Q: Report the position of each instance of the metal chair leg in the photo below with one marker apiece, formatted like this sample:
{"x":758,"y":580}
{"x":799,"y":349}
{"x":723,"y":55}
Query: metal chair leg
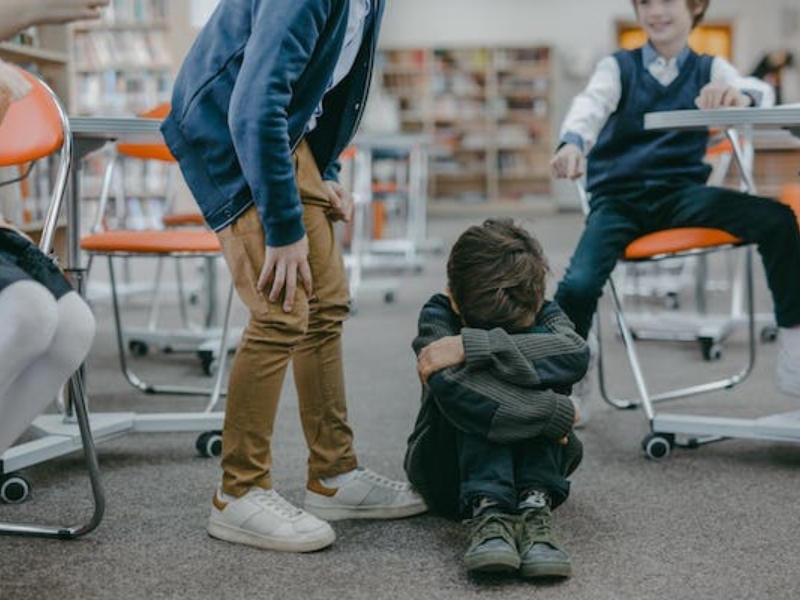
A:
{"x":67,"y":532}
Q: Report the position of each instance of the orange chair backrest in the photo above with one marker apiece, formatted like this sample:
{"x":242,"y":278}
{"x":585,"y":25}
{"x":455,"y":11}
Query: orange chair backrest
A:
{"x":149,"y":151}
{"x":32,"y":127}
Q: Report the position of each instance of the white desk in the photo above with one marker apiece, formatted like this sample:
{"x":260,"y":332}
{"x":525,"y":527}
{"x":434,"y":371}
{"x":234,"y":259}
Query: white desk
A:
{"x":782,"y":426}
{"x":779,"y":117}
{"x":59,"y":434}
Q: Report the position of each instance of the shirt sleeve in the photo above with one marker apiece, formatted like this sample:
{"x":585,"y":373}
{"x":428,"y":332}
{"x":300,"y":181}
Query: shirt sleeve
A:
{"x":591,"y":108}
{"x":760,"y":91}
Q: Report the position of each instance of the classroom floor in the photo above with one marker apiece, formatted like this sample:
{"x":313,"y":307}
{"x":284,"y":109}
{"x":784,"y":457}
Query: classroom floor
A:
{"x":720,"y":521}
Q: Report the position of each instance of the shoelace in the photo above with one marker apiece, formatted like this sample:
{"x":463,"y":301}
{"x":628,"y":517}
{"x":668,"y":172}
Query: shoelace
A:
{"x":381,"y":480}
{"x":273,"y":500}
{"x":536,"y":527}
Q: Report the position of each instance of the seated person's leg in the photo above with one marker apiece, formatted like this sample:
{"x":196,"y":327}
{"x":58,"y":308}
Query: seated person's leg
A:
{"x":610,"y":227}
{"x":488,"y":499}
{"x":608,"y":230}
{"x":773,"y":227}
{"x":30,"y":319}
{"x":541,"y":467}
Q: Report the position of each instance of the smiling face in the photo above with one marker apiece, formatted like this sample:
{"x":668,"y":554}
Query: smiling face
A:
{"x":668,"y":23}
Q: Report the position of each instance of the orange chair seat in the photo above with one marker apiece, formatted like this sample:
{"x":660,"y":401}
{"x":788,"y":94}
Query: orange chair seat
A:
{"x":677,"y":240}
{"x":180,"y":219}
{"x":155,"y":242}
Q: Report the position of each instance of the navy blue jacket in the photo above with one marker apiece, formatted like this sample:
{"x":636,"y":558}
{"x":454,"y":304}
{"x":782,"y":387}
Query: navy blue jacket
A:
{"x":244,"y":96}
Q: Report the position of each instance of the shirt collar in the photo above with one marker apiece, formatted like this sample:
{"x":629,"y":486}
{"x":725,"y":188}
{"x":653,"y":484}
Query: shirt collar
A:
{"x":649,"y":56}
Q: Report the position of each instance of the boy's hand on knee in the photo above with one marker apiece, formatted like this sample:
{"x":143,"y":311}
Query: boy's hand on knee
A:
{"x":718,"y":95}
{"x":444,"y":352}
{"x":283,"y":266}
{"x":567,"y":162}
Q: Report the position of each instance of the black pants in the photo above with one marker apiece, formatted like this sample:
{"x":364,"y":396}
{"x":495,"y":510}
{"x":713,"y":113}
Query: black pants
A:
{"x":505,"y":471}
{"x":617,"y":219}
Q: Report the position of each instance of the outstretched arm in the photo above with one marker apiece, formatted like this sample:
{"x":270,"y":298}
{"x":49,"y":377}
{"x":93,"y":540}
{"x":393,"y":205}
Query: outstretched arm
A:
{"x":16,"y":15}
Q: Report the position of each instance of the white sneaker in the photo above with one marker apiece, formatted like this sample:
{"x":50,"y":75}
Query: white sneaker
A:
{"x":365,"y":495}
{"x":788,"y":373}
{"x":262,"y":518}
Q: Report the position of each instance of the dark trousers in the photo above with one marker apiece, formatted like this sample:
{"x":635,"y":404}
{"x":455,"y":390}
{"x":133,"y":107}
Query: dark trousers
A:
{"x":504,"y":472}
{"x":615,"y":220}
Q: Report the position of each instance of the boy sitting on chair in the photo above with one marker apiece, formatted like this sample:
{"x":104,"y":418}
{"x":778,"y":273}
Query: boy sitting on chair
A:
{"x":642,"y":181}
{"x":493,"y":440}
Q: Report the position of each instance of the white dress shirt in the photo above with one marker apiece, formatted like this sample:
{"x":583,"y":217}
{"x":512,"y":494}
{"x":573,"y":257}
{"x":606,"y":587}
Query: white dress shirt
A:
{"x":359,"y":9}
{"x":591,"y":108}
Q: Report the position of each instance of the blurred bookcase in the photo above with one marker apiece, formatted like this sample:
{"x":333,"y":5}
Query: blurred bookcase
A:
{"x":488,"y":110}
{"x":122,"y":63}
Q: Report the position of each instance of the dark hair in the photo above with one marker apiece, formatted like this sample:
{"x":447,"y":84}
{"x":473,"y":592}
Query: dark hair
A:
{"x":496,"y":275}
{"x":694,"y":5}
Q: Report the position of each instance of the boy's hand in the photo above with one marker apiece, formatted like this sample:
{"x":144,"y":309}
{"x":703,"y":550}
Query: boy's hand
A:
{"x":565,"y":440}
{"x":718,"y":95}
{"x":444,"y":352}
{"x":63,"y":11}
{"x":341,"y":202}
{"x":567,"y":162}
{"x":283,"y":266}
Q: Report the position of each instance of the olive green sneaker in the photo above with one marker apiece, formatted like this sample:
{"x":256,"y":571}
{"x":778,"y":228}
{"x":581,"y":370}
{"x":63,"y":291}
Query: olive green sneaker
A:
{"x":540,"y":554}
{"x":492,"y":548}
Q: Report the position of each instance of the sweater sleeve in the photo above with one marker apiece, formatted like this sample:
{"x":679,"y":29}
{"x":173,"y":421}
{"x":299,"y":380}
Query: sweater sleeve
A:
{"x":550,"y":355}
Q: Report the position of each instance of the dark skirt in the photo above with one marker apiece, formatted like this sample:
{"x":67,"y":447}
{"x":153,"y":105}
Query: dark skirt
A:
{"x":21,"y":259}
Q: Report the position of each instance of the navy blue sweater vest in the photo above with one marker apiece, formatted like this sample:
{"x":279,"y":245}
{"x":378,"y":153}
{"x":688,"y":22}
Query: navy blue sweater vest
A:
{"x":628,"y":156}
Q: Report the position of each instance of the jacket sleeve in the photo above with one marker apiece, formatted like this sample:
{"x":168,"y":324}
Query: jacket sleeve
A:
{"x":276,"y":56}
{"x":436,"y":320}
{"x":550,"y":355}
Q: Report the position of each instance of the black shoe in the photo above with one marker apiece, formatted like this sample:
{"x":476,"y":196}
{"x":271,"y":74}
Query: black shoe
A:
{"x":540,"y":554}
{"x":492,"y":548}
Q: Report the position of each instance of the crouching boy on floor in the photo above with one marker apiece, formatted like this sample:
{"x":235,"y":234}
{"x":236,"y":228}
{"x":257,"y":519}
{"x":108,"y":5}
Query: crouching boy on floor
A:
{"x":493,"y":442}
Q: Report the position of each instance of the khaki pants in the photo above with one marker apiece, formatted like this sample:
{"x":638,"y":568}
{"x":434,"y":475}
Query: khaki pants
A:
{"x":309,"y":336}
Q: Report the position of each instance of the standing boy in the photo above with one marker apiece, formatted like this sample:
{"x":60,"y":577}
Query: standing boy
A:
{"x":268,"y":97}
{"x":493,"y":440}
{"x":641,"y":181}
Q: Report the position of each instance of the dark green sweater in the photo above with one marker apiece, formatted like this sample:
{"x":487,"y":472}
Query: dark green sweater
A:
{"x":510,"y":387}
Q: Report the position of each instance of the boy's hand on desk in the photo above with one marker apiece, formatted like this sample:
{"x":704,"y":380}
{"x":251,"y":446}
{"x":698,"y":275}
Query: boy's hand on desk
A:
{"x":567,"y":162}
{"x":718,"y":95}
{"x":440,"y":354}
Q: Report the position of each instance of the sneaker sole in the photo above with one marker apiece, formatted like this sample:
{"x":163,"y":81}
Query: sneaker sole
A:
{"x":235,"y":535}
{"x":341,"y":513}
{"x":492,"y":562}
{"x":533,"y":571}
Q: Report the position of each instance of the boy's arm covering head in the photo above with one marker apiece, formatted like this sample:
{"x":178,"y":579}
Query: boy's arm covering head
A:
{"x":477,"y":401}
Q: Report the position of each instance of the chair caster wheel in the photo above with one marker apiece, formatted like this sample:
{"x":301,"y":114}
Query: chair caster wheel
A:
{"x":768,"y":334}
{"x":14,"y":489}
{"x":138,"y":347}
{"x":657,"y":446}
{"x":209,"y":444}
{"x":712,"y":350}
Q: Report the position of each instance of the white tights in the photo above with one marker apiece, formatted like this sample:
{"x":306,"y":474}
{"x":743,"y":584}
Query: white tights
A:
{"x":42,"y":343}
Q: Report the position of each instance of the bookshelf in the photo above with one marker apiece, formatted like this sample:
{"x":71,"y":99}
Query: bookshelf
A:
{"x":122,"y":64}
{"x":488,"y":110}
